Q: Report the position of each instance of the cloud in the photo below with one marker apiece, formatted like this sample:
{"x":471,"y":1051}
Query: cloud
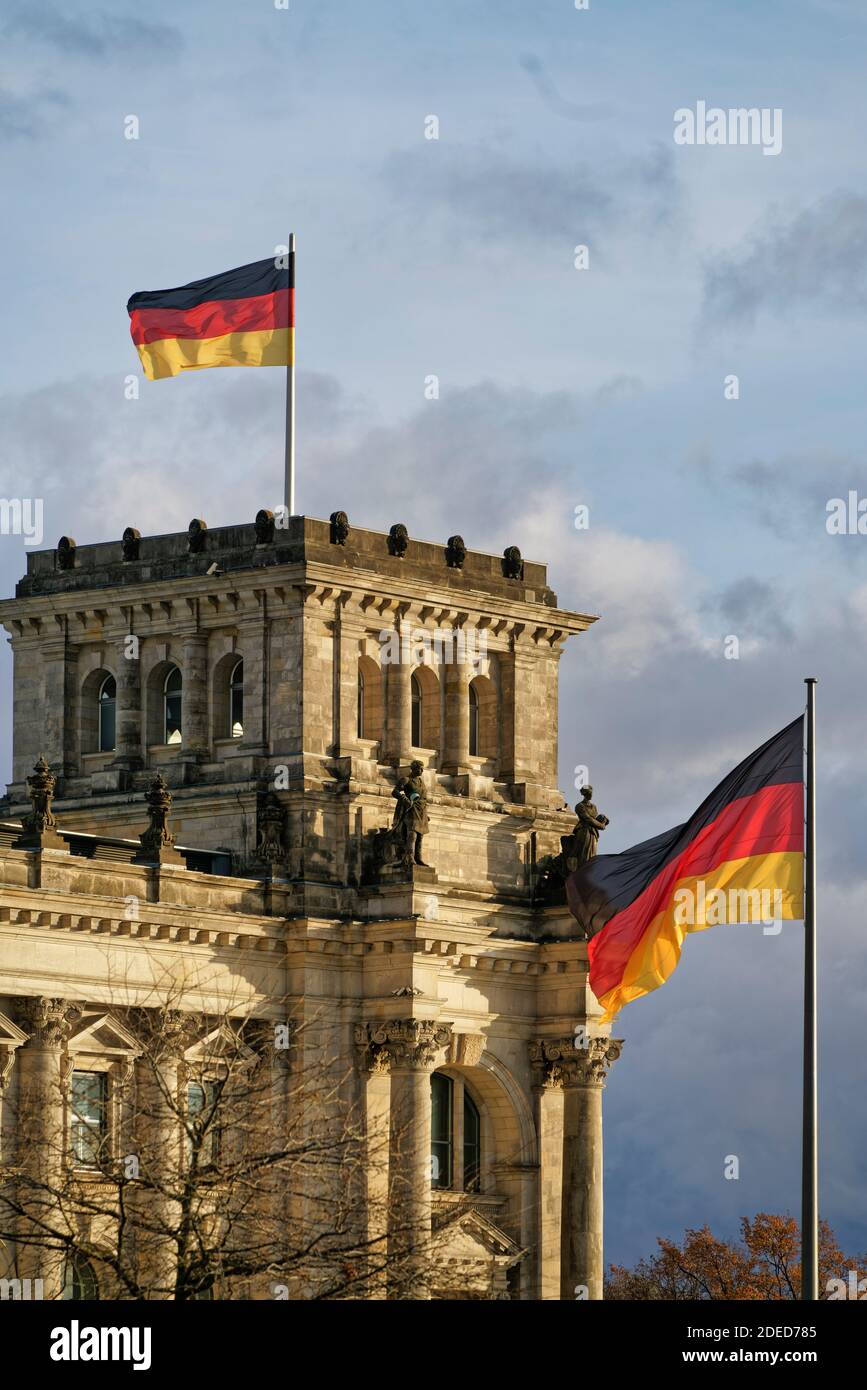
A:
{"x":815,"y":259}
{"x":481,"y":190}
{"x":25,"y":117}
{"x":99,"y":35}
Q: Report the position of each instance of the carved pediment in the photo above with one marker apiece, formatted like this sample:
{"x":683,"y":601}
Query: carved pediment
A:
{"x":99,"y":1033}
{"x":472,"y":1257}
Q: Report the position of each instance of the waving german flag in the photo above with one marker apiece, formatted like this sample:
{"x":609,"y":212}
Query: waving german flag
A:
{"x":738,"y":859}
{"x":242,"y":318}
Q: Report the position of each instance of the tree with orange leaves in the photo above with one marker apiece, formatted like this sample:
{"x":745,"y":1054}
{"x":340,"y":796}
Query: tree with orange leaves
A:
{"x":763,"y":1265}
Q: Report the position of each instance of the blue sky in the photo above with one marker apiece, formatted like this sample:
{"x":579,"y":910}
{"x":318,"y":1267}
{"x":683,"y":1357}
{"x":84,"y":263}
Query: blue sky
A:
{"x":557,"y":388}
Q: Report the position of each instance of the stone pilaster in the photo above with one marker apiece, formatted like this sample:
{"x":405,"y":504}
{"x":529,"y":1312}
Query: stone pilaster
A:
{"x":398,"y":712}
{"x":456,"y":750}
{"x":412,"y":1047}
{"x":195,"y":697}
{"x":60,"y":702}
{"x":128,"y":740}
{"x":581,"y":1072}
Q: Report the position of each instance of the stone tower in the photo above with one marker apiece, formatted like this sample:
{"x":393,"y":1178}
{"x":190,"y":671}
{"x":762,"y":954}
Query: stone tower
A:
{"x":359,"y":735}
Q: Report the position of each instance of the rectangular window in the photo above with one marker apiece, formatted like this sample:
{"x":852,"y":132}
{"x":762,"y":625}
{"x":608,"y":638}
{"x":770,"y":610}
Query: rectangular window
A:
{"x":89,"y":1095}
{"x":202,"y":1118}
{"x":441,"y":1130}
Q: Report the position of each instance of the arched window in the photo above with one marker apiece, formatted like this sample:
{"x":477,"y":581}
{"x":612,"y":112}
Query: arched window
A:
{"x":360,"y":720}
{"x":417,"y":703}
{"x":442,"y":1097}
{"x":474,"y":722}
{"x":456,"y":1135}
{"x":472,"y":1144}
{"x":107,"y":701}
{"x":236,"y":700}
{"x":172,"y":702}
{"x":79,"y":1280}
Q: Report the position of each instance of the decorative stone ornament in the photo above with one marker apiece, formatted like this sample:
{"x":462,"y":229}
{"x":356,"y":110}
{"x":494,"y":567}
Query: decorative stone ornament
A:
{"x":270,"y":830}
{"x":66,"y":553}
{"x":566,"y":1062}
{"x":513,"y":564}
{"x":197,"y":532}
{"x":39,"y":826}
{"x":456,"y":552}
{"x":130,"y":543}
{"x":398,"y":540}
{"x":339,"y":528}
{"x":158,"y":842}
{"x":264,"y":526}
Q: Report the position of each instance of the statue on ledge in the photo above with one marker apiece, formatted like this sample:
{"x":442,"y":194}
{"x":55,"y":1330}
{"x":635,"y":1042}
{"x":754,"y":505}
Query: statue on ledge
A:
{"x":411,"y":821}
{"x":583,"y":843}
{"x":575,"y":849}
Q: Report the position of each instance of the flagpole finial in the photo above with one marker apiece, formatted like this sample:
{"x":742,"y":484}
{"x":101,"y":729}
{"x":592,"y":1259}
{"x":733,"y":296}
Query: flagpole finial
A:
{"x":811,"y":680}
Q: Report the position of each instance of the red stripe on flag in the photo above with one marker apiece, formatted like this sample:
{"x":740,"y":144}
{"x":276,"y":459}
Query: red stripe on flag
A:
{"x":215,"y":318}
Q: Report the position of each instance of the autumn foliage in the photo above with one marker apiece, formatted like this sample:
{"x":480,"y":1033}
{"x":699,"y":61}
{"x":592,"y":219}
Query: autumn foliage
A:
{"x":764,"y":1264}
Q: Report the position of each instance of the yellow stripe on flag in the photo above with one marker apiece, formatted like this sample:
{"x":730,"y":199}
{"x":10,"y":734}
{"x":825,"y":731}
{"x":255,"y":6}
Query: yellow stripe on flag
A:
{"x":271,"y":347}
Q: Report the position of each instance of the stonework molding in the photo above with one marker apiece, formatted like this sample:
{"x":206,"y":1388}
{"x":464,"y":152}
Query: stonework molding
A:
{"x":49,"y":1021}
{"x":406,"y":1043}
{"x":561,"y":1062}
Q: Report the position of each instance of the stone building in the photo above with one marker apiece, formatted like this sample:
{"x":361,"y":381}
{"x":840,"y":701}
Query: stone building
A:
{"x":282,"y":681}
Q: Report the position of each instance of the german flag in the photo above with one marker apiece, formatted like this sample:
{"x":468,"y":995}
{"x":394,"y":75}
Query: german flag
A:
{"x":739,"y":859}
{"x":242,"y":318}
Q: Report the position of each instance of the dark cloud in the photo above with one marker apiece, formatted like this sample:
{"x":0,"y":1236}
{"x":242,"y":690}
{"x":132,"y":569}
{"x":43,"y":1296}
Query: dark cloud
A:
{"x":560,"y":105}
{"x":27,"y":117}
{"x":100,"y":34}
{"x":754,"y":607}
{"x":816,"y":259}
{"x":484,"y":191}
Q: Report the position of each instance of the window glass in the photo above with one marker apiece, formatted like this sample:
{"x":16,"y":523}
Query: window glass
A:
{"x":472,"y":1144}
{"x":415,"y":736}
{"x":88,"y":1114}
{"x":173,"y":700}
{"x":107,"y":714}
{"x":441,"y":1130}
{"x":79,"y":1280}
{"x":201,"y":1099}
{"x":360,"y":720}
{"x":236,"y":701}
{"x":474,"y":722}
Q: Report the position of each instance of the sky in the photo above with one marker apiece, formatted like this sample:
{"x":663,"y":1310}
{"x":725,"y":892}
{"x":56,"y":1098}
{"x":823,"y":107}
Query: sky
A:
{"x":558,"y":388}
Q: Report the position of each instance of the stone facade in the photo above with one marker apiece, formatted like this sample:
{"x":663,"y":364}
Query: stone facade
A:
{"x":362,"y":652}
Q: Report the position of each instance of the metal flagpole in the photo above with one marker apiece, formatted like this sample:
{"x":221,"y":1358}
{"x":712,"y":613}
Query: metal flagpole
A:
{"x":810,"y":1155}
{"x":289,"y":491}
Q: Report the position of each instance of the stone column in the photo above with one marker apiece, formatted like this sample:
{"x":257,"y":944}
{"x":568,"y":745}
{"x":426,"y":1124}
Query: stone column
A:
{"x":582,"y":1072}
{"x":548,"y":1102}
{"x":128,"y":741}
{"x":194,"y":708}
{"x":158,"y":1149}
{"x":413,"y":1046}
{"x":522,"y":705}
{"x":43,"y":1076}
{"x":374,"y":1065}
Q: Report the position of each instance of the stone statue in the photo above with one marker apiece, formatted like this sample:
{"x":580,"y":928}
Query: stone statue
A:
{"x":264,"y":526}
{"x":130,"y":542}
{"x":398,"y":540}
{"x":410,"y":821}
{"x":456,"y":552}
{"x":196,"y":535}
{"x":583,"y":843}
{"x":513,"y":565}
{"x":339,"y":528}
{"x":66,"y":553}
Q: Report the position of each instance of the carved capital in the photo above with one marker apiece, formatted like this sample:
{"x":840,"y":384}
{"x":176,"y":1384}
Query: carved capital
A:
{"x":570,"y":1062}
{"x":49,"y":1020}
{"x":405,"y":1043}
